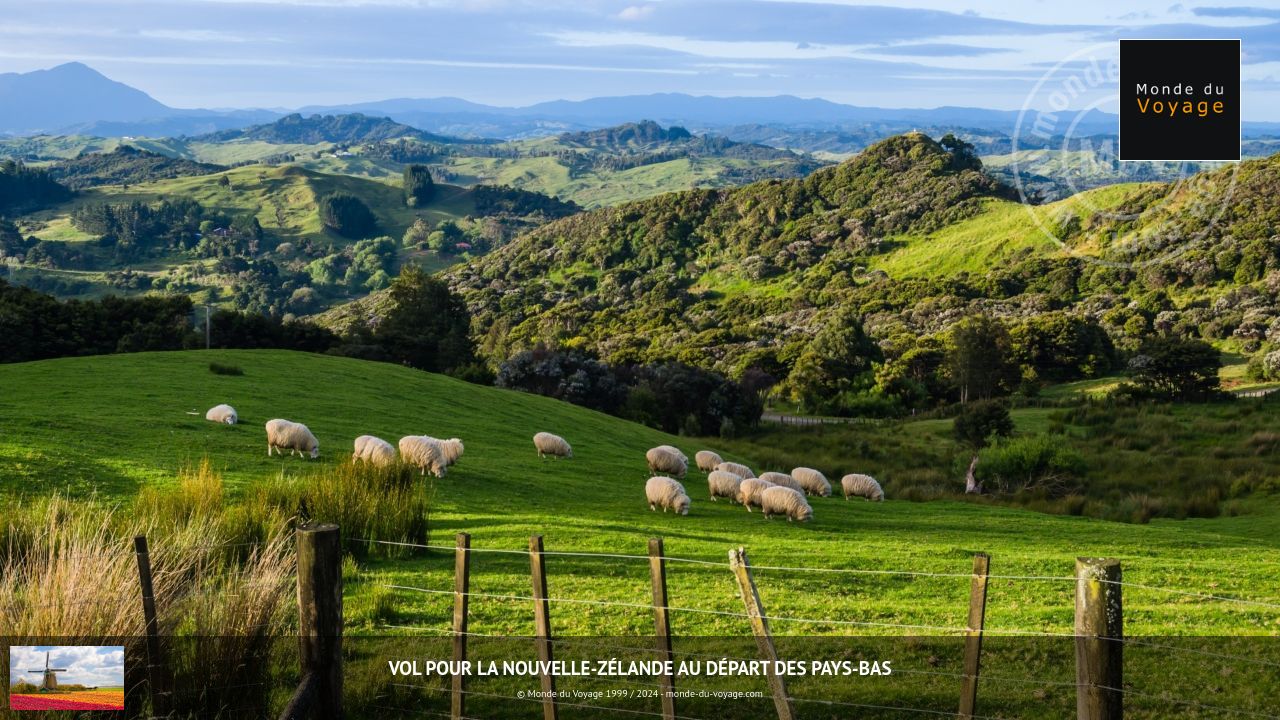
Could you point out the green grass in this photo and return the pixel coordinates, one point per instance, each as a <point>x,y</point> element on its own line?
<point>1002,230</point>
<point>108,426</point>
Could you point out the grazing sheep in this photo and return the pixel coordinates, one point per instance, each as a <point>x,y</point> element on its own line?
<point>813,482</point>
<point>222,414</point>
<point>723,484</point>
<point>452,450</point>
<point>707,460</point>
<point>424,453</point>
<point>552,445</point>
<point>863,486</point>
<point>295,437</point>
<point>677,451</point>
<point>785,501</point>
<point>373,450</point>
<point>749,492</point>
<point>666,459</point>
<point>783,479</point>
<point>738,469</point>
<point>668,494</point>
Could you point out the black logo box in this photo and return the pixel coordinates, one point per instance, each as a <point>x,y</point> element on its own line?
<point>1180,65</point>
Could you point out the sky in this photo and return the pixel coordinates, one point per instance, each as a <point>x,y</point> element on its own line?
<point>93,666</point>
<point>900,53</point>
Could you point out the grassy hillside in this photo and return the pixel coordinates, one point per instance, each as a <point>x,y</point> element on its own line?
<point>110,425</point>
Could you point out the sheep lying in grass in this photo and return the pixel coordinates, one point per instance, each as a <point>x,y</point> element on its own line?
<point>813,482</point>
<point>452,450</point>
<point>783,479</point>
<point>863,486</point>
<point>373,450</point>
<point>666,459</point>
<point>663,492</point>
<point>749,491</point>
<point>222,414</point>
<point>707,460</point>
<point>424,453</point>
<point>552,445</point>
<point>738,469</point>
<point>723,485</point>
<point>295,437</point>
<point>785,501</point>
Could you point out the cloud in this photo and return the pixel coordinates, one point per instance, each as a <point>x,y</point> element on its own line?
<point>635,12</point>
<point>937,50</point>
<point>1238,11</point>
<point>101,666</point>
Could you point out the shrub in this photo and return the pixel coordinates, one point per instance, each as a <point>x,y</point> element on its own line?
<point>1034,463</point>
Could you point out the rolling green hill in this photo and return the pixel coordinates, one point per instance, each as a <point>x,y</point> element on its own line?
<point>141,419</point>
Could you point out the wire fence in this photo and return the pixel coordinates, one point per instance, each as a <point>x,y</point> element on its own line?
<point>825,625</point>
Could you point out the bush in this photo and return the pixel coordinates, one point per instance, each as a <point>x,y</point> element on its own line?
<point>347,215</point>
<point>1033,463</point>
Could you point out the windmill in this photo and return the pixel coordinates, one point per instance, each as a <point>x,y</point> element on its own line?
<point>50,681</point>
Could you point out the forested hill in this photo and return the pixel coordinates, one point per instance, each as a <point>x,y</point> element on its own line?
<point>127,165</point>
<point>658,143</point>
<point>628,267</point>
<point>902,242</point>
<point>349,128</point>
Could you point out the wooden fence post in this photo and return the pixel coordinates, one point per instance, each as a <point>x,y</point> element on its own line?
<point>461,588</point>
<point>320,617</point>
<point>160,700</point>
<point>760,627</point>
<point>1099,640</point>
<point>973,636</point>
<point>542,628</point>
<point>662,625</point>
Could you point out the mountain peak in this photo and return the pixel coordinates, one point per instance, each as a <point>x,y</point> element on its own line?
<point>69,94</point>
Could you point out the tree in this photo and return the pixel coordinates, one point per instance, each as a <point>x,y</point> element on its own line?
<point>427,326</point>
<point>418,186</point>
<point>839,353</point>
<point>1174,368</point>
<point>980,358</point>
<point>347,215</point>
<point>974,427</point>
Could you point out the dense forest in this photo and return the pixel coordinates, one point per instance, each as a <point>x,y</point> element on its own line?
<point>772,278</point>
<point>25,189</point>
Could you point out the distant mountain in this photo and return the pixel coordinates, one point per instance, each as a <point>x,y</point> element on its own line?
<point>628,135</point>
<point>348,128</point>
<point>188,122</point>
<point>126,165</point>
<point>67,95</point>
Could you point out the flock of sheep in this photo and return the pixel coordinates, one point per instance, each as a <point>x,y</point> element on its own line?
<point>775,493</point>
<point>426,453</point>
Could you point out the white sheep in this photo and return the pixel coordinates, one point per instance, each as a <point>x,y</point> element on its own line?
<point>785,501</point>
<point>863,486</point>
<point>813,482</point>
<point>666,459</point>
<point>222,414</point>
<point>373,450</point>
<point>295,437</point>
<point>666,493</point>
<point>738,469</point>
<point>553,445</point>
<point>783,479</point>
<point>723,484</point>
<point>677,451</point>
<point>424,453</point>
<point>452,450</point>
<point>707,460</point>
<point>749,491</point>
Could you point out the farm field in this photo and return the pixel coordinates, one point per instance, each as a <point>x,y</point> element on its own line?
<point>99,699</point>
<point>890,579</point>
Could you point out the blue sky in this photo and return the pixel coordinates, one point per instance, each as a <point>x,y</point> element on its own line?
<point>909,53</point>
<point>91,665</point>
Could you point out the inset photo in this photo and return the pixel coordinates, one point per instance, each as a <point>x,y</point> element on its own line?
<point>66,677</point>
